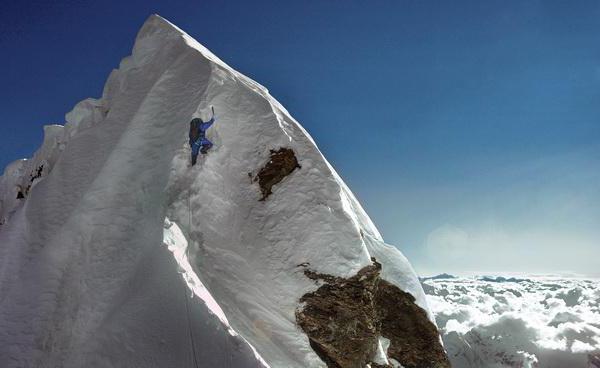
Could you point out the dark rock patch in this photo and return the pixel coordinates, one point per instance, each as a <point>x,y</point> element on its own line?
<point>280,165</point>
<point>414,340</point>
<point>38,173</point>
<point>340,318</point>
<point>34,175</point>
<point>344,319</point>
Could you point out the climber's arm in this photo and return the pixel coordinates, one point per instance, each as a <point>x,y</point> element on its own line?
<point>208,123</point>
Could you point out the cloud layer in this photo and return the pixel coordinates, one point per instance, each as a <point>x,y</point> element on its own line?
<point>494,322</point>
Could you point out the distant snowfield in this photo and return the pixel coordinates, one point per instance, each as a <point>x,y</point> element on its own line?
<point>549,322</point>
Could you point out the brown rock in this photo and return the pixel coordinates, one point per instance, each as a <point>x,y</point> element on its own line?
<point>280,165</point>
<point>339,318</point>
<point>344,319</point>
<point>414,340</point>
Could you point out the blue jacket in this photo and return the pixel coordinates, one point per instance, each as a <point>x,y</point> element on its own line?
<point>198,131</point>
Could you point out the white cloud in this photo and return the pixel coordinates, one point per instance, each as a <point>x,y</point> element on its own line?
<point>545,322</point>
<point>581,347</point>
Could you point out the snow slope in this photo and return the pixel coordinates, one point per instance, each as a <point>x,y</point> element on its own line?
<point>99,262</point>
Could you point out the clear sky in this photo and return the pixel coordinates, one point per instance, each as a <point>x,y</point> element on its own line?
<point>469,130</point>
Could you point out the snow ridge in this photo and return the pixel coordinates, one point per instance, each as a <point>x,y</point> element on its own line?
<point>84,277</point>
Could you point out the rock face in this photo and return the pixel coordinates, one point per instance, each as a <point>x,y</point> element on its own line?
<point>345,318</point>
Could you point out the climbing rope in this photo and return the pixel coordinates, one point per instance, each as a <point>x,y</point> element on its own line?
<point>227,347</point>
<point>187,307</point>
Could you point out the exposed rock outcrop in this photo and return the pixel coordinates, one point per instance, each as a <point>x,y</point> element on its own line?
<point>280,165</point>
<point>340,318</point>
<point>414,340</point>
<point>344,319</point>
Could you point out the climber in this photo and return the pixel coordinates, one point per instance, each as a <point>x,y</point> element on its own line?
<point>198,140</point>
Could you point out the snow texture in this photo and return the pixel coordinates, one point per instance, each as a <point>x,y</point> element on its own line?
<point>121,254</point>
<point>497,322</point>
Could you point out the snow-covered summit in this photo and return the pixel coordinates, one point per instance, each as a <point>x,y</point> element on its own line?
<point>108,231</point>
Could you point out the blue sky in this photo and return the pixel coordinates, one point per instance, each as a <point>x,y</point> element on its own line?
<point>469,130</point>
